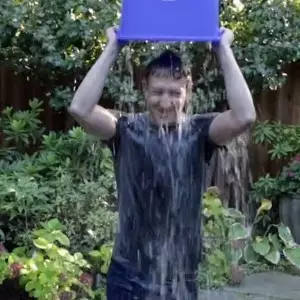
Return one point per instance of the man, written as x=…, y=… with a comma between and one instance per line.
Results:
x=160, y=160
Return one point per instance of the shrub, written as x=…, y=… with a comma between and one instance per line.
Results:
x=46, y=269
x=69, y=177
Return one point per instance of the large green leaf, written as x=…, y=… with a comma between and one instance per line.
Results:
x=286, y=236
x=234, y=214
x=237, y=232
x=273, y=256
x=250, y=255
x=273, y=238
x=30, y=285
x=261, y=246
x=54, y=224
x=41, y=243
x=61, y=237
x=293, y=256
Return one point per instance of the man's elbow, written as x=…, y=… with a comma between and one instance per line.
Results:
x=245, y=121
x=250, y=118
x=76, y=112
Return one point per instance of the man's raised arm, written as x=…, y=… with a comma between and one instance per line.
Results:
x=94, y=118
x=241, y=115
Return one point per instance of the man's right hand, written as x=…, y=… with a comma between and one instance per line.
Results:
x=111, y=34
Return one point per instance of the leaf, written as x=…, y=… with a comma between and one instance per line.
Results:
x=95, y=253
x=273, y=256
x=38, y=292
x=61, y=237
x=78, y=256
x=54, y=224
x=273, y=238
x=261, y=246
x=293, y=256
x=41, y=243
x=233, y=213
x=286, y=236
x=20, y=251
x=65, y=254
x=249, y=255
x=30, y=285
x=237, y=232
x=265, y=205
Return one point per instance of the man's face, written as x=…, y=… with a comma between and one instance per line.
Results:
x=166, y=98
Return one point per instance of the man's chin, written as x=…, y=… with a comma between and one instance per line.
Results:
x=165, y=120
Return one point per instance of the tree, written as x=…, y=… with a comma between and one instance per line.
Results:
x=56, y=39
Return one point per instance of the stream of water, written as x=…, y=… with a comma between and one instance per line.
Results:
x=160, y=202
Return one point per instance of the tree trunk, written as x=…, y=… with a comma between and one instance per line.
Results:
x=230, y=171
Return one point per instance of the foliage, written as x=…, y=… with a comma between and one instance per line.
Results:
x=69, y=172
x=223, y=228
x=229, y=243
x=289, y=178
x=58, y=41
x=282, y=140
x=100, y=259
x=26, y=202
x=265, y=187
x=21, y=128
x=57, y=151
x=274, y=244
x=47, y=269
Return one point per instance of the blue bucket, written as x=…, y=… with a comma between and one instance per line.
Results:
x=170, y=20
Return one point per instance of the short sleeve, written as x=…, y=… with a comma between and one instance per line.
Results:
x=202, y=124
x=114, y=143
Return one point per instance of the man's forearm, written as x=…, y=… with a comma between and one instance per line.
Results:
x=90, y=90
x=238, y=94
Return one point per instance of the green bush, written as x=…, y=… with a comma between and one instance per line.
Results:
x=282, y=143
x=228, y=243
x=58, y=41
x=46, y=269
x=69, y=177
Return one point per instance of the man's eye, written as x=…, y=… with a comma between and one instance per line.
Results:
x=175, y=94
x=157, y=92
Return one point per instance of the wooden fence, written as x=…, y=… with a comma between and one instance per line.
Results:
x=283, y=105
x=280, y=105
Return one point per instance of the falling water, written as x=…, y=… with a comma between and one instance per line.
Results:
x=171, y=143
x=166, y=176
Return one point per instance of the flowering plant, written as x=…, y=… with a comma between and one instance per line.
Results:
x=289, y=178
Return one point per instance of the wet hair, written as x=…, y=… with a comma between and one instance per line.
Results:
x=168, y=64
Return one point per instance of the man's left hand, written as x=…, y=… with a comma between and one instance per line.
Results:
x=227, y=38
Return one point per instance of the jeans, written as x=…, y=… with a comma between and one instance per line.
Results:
x=123, y=284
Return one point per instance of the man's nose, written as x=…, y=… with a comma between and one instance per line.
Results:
x=166, y=103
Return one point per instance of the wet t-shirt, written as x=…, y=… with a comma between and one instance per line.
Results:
x=160, y=174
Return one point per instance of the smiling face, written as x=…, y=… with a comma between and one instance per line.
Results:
x=166, y=98
x=167, y=86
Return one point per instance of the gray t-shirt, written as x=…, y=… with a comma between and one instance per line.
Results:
x=160, y=178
